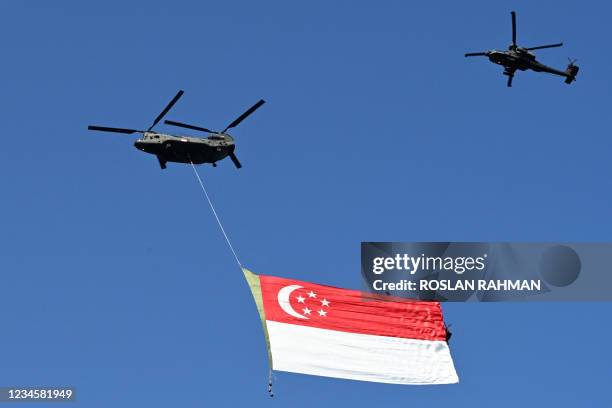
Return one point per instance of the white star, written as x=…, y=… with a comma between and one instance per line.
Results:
x=322, y=313
x=325, y=302
x=300, y=299
x=307, y=310
x=311, y=294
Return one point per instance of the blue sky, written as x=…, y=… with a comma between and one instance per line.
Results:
x=115, y=277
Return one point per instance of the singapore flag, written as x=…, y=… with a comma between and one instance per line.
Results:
x=327, y=331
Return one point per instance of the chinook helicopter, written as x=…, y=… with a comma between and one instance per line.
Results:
x=185, y=149
x=522, y=59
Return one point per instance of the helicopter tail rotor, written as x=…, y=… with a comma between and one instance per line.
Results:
x=571, y=71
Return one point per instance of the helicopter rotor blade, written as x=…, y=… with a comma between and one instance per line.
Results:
x=513, y=28
x=234, y=160
x=114, y=130
x=186, y=126
x=242, y=117
x=166, y=109
x=539, y=47
x=475, y=54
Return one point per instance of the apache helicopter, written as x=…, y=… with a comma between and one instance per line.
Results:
x=184, y=149
x=521, y=58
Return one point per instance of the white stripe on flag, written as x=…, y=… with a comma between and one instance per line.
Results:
x=365, y=357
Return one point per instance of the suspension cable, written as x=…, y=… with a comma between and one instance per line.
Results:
x=231, y=247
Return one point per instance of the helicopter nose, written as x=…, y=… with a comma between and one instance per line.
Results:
x=138, y=144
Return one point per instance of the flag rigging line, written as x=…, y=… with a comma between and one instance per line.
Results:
x=212, y=207
x=229, y=244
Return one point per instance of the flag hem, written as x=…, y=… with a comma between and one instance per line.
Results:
x=255, y=286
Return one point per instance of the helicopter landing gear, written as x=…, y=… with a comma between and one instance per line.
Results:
x=510, y=75
x=162, y=162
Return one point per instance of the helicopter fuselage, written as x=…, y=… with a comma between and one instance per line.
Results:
x=185, y=149
x=521, y=60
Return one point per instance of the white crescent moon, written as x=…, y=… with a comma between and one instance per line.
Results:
x=283, y=301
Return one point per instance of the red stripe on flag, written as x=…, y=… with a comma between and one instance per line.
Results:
x=327, y=307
